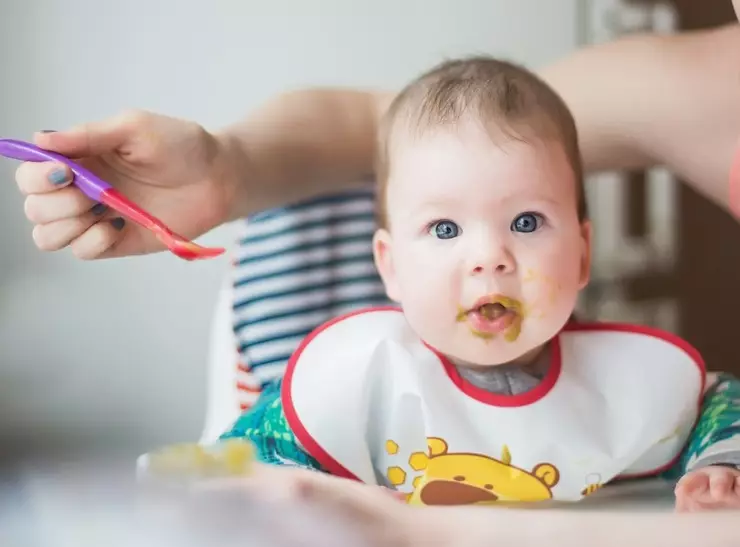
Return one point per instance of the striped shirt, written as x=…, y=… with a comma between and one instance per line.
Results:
x=295, y=268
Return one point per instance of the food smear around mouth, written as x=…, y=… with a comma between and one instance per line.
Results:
x=553, y=288
x=501, y=315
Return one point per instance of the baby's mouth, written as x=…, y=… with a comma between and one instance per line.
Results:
x=492, y=315
x=492, y=311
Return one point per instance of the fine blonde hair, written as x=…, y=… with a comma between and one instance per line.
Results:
x=507, y=98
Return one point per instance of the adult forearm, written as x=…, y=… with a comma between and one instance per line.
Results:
x=301, y=144
x=638, y=102
x=668, y=100
x=473, y=527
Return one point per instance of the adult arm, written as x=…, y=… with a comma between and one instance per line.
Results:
x=638, y=101
x=650, y=100
x=301, y=144
x=378, y=519
x=468, y=527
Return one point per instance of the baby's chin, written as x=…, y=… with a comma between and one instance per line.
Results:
x=497, y=353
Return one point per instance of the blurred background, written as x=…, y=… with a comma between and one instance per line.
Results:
x=112, y=355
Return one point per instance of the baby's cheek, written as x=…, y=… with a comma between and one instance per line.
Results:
x=547, y=295
x=430, y=302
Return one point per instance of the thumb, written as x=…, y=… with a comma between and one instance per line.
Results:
x=89, y=139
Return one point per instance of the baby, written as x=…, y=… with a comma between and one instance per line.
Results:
x=480, y=388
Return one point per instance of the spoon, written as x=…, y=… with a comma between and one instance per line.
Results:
x=100, y=191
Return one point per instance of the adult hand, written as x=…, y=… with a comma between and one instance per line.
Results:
x=173, y=168
x=369, y=515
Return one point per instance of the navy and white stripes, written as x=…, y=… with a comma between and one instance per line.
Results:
x=295, y=268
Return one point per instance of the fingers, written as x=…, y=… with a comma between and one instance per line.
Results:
x=85, y=140
x=69, y=218
x=89, y=235
x=56, y=235
x=89, y=139
x=709, y=488
x=93, y=138
x=66, y=217
x=721, y=484
x=693, y=483
x=65, y=203
x=689, y=490
x=97, y=240
x=42, y=177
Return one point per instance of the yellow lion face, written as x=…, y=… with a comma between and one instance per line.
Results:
x=462, y=478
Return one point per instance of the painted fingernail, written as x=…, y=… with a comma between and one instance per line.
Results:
x=58, y=176
x=118, y=223
x=98, y=209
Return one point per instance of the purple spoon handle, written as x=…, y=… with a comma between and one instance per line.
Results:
x=85, y=180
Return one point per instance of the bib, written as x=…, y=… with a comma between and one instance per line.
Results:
x=371, y=401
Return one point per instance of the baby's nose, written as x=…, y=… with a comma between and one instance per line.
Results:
x=500, y=261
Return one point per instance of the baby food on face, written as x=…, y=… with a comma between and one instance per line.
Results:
x=471, y=220
x=492, y=316
x=480, y=184
x=492, y=311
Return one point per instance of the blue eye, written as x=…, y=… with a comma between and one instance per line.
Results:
x=445, y=229
x=526, y=223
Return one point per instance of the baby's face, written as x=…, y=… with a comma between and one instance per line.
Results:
x=475, y=222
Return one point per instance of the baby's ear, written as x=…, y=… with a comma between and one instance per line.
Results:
x=382, y=252
x=585, y=254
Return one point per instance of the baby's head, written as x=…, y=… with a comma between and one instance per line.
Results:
x=483, y=237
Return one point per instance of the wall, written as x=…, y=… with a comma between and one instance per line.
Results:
x=112, y=353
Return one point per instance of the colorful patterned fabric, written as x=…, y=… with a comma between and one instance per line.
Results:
x=716, y=436
x=714, y=440
x=266, y=427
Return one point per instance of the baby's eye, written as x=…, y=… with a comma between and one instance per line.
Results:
x=445, y=229
x=526, y=222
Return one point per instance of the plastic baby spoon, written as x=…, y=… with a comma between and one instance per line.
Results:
x=100, y=191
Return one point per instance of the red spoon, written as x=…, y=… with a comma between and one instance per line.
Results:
x=100, y=191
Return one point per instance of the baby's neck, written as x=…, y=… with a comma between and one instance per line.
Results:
x=510, y=378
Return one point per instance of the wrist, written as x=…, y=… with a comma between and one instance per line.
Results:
x=729, y=460
x=230, y=168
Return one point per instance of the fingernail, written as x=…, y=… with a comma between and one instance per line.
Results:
x=98, y=209
x=58, y=176
x=118, y=223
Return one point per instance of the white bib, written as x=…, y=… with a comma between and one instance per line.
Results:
x=369, y=400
